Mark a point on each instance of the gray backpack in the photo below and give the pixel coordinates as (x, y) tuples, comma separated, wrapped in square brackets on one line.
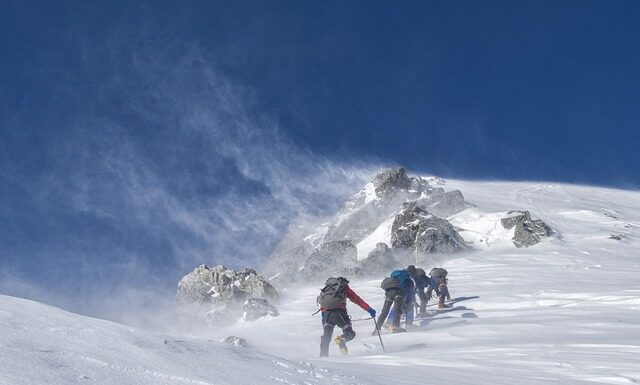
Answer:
[(438, 272), (333, 295), (390, 283)]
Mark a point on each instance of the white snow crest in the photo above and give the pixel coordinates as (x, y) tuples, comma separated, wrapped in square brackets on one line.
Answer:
[(380, 235), (563, 311), (370, 193)]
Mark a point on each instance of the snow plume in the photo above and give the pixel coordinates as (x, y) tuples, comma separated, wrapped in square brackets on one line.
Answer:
[(166, 164)]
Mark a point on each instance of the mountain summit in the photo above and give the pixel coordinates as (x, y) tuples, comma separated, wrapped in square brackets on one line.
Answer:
[(396, 218)]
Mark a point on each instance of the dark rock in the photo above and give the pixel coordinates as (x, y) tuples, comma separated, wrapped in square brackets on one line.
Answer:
[(619, 237), (221, 285), (390, 181), (528, 232), (437, 235), (235, 341), (443, 204), (415, 228), (361, 215), (214, 296), (509, 222), (256, 308)]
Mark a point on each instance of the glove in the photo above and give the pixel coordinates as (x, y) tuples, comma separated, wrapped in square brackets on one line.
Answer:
[(372, 312)]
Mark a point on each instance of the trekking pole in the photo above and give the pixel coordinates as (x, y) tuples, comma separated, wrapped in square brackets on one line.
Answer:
[(379, 337)]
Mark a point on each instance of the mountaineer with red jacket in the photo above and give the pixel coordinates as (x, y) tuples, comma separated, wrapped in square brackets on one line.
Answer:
[(333, 305)]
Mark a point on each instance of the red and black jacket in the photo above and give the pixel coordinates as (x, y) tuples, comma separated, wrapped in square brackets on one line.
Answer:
[(353, 297)]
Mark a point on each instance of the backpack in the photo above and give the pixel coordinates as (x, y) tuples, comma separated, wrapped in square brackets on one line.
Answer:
[(401, 276), (438, 272), (420, 273), (333, 294), (390, 283)]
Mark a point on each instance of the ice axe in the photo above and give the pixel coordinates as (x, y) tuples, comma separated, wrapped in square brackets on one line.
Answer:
[(379, 336)]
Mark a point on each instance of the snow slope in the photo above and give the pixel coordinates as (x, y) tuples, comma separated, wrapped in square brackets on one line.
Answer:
[(564, 311), (40, 344)]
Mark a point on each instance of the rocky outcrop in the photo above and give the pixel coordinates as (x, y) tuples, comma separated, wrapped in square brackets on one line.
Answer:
[(235, 341), (416, 229), (214, 296), (362, 213), (443, 204), (330, 258), (619, 237), (221, 285), (256, 308), (359, 217), (528, 232), (391, 181)]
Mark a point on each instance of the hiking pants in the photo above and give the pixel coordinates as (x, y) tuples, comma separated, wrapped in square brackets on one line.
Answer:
[(393, 296), (441, 290), (408, 312), (423, 298), (331, 319)]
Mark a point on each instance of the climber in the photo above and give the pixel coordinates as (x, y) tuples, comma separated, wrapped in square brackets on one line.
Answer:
[(421, 281), (333, 305), (438, 283), (398, 291)]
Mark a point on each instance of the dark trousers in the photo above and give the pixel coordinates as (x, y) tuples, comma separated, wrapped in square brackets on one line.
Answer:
[(331, 319), (395, 297), (441, 290), (423, 298)]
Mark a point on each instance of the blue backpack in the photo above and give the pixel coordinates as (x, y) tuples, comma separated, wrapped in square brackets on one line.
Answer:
[(402, 276)]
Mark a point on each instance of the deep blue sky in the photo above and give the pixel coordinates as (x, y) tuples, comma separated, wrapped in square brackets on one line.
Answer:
[(128, 128)]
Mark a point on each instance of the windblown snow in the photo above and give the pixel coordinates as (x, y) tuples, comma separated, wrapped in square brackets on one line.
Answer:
[(381, 234), (564, 311)]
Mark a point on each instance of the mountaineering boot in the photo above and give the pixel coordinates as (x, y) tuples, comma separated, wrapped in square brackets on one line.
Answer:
[(342, 344), (442, 306), (397, 329)]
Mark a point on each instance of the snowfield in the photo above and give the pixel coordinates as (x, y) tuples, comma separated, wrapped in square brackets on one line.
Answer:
[(565, 311)]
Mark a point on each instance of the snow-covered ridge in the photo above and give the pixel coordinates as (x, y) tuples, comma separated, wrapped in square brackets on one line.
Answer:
[(412, 216), (564, 311), (42, 345)]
